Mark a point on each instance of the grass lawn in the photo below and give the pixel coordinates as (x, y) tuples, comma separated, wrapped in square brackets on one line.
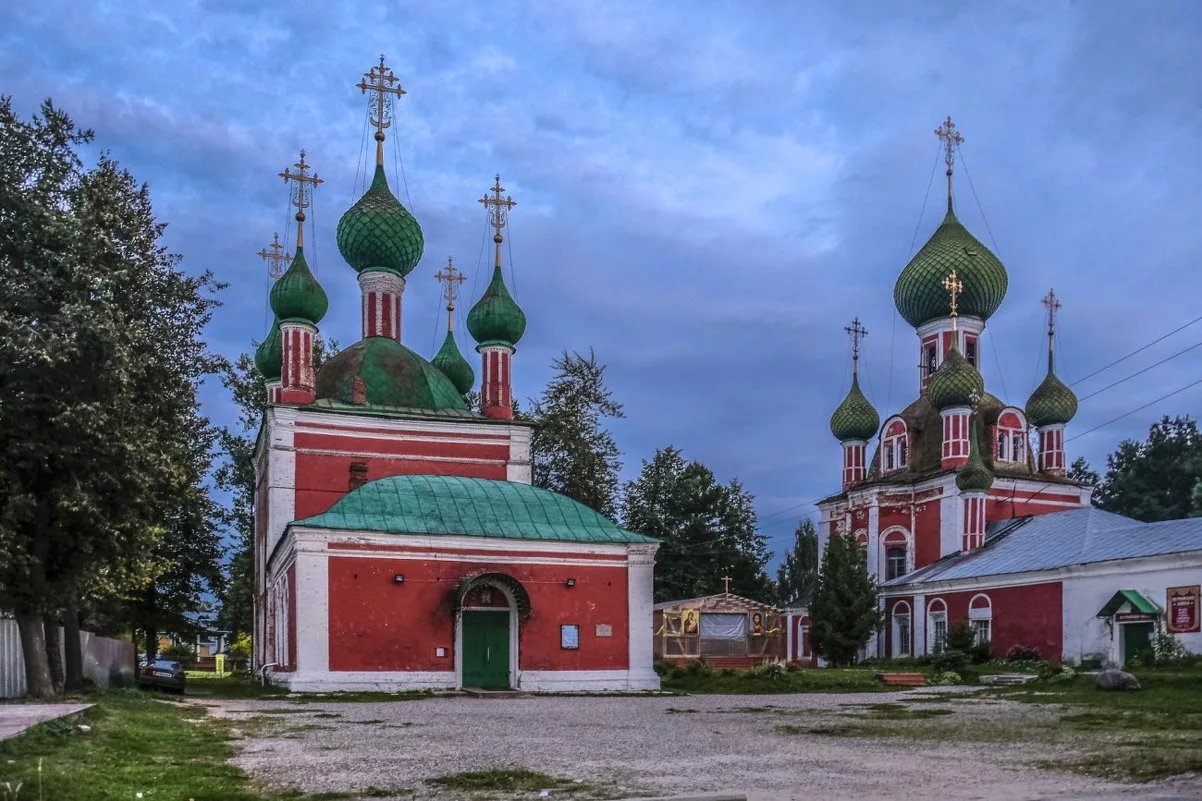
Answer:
[(814, 680)]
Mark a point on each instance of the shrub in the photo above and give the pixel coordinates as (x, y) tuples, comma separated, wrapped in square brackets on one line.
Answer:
[(793, 667), (180, 652), (698, 667), (1169, 651), (960, 637), (676, 672), (1022, 653), (944, 678), (767, 670), (1054, 671), (661, 667), (980, 653), (951, 660)]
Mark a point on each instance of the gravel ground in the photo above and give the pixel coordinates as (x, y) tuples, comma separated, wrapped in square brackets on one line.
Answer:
[(670, 745)]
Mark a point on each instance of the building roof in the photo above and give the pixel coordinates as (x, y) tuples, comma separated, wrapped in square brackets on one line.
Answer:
[(496, 319), (855, 418), (470, 507), (718, 602), (390, 374), (1137, 601), (1061, 539), (378, 233)]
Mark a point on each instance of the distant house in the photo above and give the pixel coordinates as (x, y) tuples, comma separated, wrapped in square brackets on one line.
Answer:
[(728, 631)]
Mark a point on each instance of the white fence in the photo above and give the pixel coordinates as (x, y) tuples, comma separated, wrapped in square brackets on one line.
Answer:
[(106, 661)]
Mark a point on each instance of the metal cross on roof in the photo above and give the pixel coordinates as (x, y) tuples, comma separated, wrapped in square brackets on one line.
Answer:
[(302, 191), (951, 139), (857, 332), (382, 84), (276, 257), (498, 208), (954, 287), (1053, 305), (450, 278)]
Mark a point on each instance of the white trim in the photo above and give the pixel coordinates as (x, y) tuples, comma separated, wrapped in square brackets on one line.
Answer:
[(640, 607), (588, 681), (884, 550), (312, 607), (400, 457), (363, 680), (514, 669)]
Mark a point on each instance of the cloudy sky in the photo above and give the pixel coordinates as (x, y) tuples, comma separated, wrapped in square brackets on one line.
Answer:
[(708, 192)]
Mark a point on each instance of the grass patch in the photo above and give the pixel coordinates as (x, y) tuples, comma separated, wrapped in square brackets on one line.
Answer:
[(233, 685), (815, 680), (505, 780), (819, 731), (898, 712), (352, 697)]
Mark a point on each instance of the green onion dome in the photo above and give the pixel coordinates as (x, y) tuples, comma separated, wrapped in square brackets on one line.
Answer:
[(392, 375), (452, 364), (378, 233), (269, 356), (974, 476), (496, 319), (296, 296), (955, 383), (919, 293), (855, 417), (1052, 402)]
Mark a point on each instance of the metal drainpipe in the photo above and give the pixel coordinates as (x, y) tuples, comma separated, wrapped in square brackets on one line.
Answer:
[(263, 672)]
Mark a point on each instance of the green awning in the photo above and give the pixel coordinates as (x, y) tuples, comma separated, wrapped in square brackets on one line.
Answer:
[(1137, 601)]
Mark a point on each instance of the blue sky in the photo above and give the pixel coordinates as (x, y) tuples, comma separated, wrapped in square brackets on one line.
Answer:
[(708, 192)]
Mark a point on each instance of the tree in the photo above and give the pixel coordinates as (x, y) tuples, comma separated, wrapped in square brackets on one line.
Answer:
[(100, 356), (843, 611), (1155, 479), (573, 454), (707, 530), (1082, 473), (798, 573)]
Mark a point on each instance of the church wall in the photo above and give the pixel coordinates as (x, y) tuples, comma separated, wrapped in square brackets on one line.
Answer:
[(927, 528), (378, 625), (1030, 615), (1023, 502), (292, 617)]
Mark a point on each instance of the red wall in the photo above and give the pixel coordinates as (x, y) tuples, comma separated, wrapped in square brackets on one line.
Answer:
[(1031, 616), (1004, 507), (376, 624)]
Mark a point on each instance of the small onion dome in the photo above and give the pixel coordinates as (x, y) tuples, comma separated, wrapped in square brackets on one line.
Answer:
[(392, 375), (1052, 402), (296, 296), (919, 293), (452, 364), (974, 476), (269, 356), (378, 233), (855, 417), (955, 383), (496, 319)]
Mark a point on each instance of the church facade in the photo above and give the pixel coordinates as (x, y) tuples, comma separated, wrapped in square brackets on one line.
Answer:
[(961, 500), (399, 542)]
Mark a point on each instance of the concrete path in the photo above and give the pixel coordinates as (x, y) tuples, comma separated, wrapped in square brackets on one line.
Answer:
[(16, 718)]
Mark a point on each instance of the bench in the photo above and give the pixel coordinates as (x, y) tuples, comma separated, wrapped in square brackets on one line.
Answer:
[(903, 679)]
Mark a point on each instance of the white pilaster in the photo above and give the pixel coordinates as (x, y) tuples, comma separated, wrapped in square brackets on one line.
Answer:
[(312, 591), (918, 622), (639, 599)]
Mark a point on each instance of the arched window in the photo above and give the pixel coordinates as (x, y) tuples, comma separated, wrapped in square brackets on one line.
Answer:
[(897, 552), (980, 615), (862, 541), (900, 618), (936, 625), (1011, 437), (895, 448)]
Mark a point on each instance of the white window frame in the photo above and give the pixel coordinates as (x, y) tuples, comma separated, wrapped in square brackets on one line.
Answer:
[(936, 615), (981, 618), (900, 619), (1010, 443), (895, 448)]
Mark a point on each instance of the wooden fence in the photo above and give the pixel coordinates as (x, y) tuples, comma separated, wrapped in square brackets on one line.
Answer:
[(106, 661)]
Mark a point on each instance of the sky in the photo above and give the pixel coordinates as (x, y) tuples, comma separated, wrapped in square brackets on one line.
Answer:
[(707, 192)]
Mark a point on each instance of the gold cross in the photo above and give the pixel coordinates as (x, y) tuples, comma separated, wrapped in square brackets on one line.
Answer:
[(857, 332), (1053, 305), (498, 208), (450, 278), (379, 82), (275, 258), (302, 192), (951, 140), (954, 287)]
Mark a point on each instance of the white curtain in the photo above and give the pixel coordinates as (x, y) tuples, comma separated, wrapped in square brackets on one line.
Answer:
[(723, 626)]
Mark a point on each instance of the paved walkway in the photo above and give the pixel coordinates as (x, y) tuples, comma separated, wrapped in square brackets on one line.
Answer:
[(16, 718)]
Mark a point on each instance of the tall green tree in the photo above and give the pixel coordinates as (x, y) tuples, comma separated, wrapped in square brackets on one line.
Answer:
[(708, 530), (100, 356), (573, 453), (1155, 479), (798, 573), (843, 611), (1082, 473)]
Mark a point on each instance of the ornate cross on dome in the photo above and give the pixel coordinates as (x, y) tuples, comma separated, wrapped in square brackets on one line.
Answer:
[(1053, 305), (276, 258), (954, 287), (382, 84), (498, 208), (302, 193), (951, 139), (857, 332), (450, 278)]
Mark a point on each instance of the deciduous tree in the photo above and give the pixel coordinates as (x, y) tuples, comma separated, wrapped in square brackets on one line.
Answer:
[(798, 573), (1155, 479)]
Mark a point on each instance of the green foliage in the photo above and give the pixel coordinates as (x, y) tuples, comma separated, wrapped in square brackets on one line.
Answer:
[(505, 780), (769, 680), (950, 660), (844, 608), (1155, 479), (241, 648), (980, 652), (944, 678), (1054, 671), (572, 453), (960, 636), (798, 573), (181, 652), (708, 530), (1022, 653), (771, 670), (1082, 473), (1169, 651)]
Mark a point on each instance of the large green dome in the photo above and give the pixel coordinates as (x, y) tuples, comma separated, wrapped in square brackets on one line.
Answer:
[(269, 356), (919, 293), (955, 383), (1052, 402), (378, 233), (496, 319), (452, 364), (855, 417), (392, 375), (296, 296)]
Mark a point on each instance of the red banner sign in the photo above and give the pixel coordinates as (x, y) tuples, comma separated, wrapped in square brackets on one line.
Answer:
[(1183, 609)]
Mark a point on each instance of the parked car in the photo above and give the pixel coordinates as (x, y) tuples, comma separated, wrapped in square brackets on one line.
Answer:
[(164, 674)]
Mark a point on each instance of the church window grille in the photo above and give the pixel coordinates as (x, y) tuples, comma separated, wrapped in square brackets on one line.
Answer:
[(936, 626), (1011, 439), (895, 562), (980, 615), (981, 630), (896, 449), (901, 630), (970, 351)]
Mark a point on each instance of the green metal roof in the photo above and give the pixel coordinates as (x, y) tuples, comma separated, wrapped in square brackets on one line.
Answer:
[(378, 233), (452, 364), (472, 507), (955, 383), (392, 375), (1132, 597), (974, 476), (296, 296), (1052, 402), (269, 356), (496, 318), (855, 417)]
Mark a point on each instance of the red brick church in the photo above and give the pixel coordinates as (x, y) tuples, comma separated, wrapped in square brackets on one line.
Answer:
[(399, 541)]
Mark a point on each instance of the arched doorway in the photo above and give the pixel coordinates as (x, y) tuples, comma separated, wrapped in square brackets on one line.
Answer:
[(488, 611)]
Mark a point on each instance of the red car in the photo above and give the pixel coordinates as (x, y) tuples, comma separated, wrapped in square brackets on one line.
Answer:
[(163, 673)]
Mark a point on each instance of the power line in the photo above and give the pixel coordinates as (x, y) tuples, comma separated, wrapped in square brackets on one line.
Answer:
[(1137, 350), (1137, 409), (1141, 372)]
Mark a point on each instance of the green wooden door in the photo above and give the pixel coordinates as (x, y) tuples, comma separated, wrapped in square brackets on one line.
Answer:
[(1137, 640), (486, 650)]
